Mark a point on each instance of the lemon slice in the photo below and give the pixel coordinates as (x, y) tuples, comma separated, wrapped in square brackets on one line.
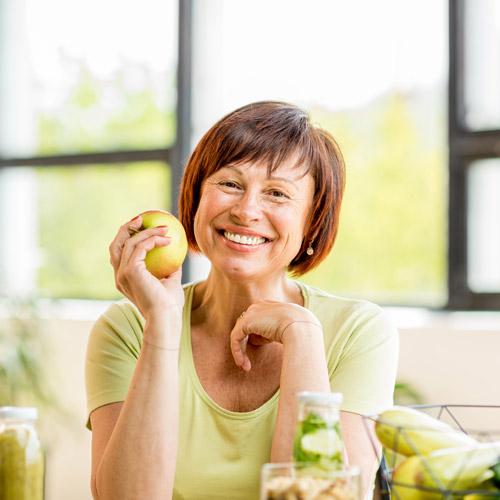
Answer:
[(324, 442)]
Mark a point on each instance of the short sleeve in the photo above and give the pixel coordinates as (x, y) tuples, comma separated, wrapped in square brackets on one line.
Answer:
[(365, 371), (112, 351)]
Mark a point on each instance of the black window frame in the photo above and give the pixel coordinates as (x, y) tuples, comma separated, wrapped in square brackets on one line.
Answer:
[(465, 147)]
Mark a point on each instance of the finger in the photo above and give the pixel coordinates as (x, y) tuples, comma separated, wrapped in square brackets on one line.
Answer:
[(238, 344), (130, 271), (134, 254), (258, 340), (156, 235), (123, 235), (174, 276)]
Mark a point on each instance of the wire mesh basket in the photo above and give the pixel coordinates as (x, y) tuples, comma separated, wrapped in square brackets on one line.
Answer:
[(468, 438)]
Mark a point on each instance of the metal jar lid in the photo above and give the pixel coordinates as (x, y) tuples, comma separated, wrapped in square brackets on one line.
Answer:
[(320, 397)]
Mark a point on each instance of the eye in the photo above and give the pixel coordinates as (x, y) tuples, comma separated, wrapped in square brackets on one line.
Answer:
[(275, 193), (228, 184)]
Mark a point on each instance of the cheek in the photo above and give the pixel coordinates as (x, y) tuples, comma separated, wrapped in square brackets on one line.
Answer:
[(292, 227), (296, 225), (207, 210), (296, 221)]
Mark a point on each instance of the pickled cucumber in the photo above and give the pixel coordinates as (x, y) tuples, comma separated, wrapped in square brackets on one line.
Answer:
[(22, 465)]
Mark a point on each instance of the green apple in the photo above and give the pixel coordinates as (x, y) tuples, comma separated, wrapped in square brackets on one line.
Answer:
[(163, 261)]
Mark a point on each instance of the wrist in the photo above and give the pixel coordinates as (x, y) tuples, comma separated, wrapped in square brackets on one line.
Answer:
[(160, 347), (302, 330), (163, 330), (163, 316)]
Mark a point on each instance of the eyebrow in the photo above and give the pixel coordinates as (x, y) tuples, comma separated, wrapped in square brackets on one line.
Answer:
[(272, 177)]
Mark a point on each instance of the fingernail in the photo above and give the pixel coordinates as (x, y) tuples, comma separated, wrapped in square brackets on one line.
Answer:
[(135, 218)]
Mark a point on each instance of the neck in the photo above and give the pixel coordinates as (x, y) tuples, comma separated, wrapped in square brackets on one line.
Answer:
[(220, 300)]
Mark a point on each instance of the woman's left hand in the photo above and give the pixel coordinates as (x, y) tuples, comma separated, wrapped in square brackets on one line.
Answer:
[(263, 322)]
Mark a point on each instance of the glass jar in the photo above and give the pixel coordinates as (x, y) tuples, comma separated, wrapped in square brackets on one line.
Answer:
[(22, 461), (298, 481), (318, 437)]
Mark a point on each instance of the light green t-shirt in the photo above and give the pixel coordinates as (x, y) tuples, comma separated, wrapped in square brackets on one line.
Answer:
[(220, 453)]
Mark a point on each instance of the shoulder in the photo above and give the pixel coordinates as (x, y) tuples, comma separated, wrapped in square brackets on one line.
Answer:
[(353, 317), (123, 312), (331, 305)]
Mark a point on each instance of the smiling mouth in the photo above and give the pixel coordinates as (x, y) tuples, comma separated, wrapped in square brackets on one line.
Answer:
[(244, 239)]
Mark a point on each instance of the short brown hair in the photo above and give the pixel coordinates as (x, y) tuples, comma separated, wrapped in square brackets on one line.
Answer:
[(272, 132)]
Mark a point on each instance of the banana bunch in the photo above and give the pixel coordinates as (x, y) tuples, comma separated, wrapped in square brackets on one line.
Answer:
[(440, 462)]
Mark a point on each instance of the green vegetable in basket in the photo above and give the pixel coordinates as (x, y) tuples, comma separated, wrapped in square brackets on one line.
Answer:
[(496, 473), (409, 431), (449, 470)]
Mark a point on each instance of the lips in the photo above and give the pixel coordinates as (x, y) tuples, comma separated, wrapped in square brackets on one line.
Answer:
[(244, 239)]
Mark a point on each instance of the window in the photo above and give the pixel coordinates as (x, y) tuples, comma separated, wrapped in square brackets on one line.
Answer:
[(111, 116), (474, 148), (368, 75), (93, 130)]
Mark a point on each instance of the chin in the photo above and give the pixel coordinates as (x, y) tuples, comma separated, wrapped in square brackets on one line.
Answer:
[(243, 272)]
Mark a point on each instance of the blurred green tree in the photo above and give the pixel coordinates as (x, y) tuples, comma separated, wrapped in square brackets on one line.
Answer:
[(392, 237), (81, 207)]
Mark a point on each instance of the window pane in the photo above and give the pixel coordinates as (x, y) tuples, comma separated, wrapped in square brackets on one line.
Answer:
[(483, 226), (379, 87), (79, 212), (482, 64), (86, 76)]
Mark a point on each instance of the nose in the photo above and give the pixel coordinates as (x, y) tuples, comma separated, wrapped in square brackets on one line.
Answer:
[(247, 208)]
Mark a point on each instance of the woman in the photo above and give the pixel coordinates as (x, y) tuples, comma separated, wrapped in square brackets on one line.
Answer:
[(192, 388)]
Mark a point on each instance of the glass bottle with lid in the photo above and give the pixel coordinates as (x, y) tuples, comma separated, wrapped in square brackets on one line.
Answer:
[(22, 461), (318, 437)]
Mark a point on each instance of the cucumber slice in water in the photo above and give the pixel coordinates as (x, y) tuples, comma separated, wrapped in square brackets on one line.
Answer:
[(324, 442)]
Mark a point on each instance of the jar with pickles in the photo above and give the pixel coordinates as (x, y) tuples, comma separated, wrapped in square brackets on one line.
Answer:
[(22, 461), (318, 437)]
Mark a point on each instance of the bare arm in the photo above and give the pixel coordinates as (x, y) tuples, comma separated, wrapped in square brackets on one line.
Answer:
[(303, 366), (303, 369), (359, 448), (307, 372), (134, 443)]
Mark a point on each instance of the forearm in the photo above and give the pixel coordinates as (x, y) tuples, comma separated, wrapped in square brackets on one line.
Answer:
[(139, 459), (359, 438), (303, 369)]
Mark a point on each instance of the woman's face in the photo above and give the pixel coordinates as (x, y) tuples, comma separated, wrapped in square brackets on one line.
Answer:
[(250, 224)]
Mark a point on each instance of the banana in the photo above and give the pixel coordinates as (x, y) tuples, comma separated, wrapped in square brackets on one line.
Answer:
[(409, 432), (403, 484), (491, 492), (447, 470), (484, 496)]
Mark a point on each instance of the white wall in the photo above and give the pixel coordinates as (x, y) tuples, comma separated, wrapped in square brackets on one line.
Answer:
[(449, 358)]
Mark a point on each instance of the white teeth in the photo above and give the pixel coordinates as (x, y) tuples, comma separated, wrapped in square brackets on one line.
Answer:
[(243, 239)]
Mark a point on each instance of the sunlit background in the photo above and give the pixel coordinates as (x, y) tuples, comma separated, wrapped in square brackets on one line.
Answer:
[(89, 120), (101, 76)]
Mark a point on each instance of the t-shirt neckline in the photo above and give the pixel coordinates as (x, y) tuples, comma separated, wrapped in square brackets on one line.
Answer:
[(187, 348)]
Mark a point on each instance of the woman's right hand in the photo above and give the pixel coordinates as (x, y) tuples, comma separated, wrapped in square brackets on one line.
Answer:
[(127, 254)]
